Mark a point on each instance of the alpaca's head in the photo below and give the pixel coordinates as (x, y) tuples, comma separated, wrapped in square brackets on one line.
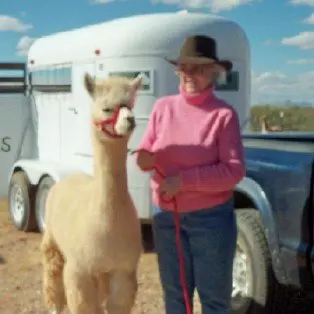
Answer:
[(113, 101)]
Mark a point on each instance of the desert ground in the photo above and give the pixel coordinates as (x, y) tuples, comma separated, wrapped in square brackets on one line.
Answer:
[(20, 273)]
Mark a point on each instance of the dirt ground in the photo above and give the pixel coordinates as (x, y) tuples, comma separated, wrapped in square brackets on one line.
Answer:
[(20, 273), (20, 276)]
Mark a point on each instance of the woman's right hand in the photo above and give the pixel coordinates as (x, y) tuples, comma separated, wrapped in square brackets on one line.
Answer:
[(145, 160)]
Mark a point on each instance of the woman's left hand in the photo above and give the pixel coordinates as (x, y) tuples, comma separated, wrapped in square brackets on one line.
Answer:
[(170, 185)]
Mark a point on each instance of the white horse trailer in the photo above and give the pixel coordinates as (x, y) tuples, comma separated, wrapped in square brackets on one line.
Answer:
[(56, 115)]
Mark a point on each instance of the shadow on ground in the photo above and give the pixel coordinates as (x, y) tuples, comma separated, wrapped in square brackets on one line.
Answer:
[(148, 241)]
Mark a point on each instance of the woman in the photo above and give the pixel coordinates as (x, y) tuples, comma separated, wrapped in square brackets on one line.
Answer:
[(194, 139)]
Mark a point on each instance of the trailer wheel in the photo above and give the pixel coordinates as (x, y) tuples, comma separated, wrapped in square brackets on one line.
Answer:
[(255, 288), (20, 202), (40, 202)]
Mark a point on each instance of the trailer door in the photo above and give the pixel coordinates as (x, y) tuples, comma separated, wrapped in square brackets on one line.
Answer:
[(69, 117), (83, 102), (14, 119)]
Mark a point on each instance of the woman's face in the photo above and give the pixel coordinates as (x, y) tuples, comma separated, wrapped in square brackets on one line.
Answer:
[(194, 78)]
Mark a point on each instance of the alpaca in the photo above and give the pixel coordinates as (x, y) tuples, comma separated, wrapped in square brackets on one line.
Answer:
[(265, 127), (92, 241)]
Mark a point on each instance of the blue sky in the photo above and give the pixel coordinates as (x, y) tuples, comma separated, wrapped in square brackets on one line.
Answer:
[(281, 33)]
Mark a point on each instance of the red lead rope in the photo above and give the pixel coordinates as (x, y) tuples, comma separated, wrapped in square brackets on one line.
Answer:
[(178, 239)]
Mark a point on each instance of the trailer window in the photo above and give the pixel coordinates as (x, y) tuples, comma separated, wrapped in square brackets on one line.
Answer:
[(147, 75), (12, 78), (54, 80), (232, 82)]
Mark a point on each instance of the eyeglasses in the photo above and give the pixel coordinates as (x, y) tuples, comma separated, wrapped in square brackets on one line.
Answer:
[(190, 69)]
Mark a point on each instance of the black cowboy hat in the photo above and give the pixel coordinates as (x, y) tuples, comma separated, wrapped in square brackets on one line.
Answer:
[(200, 49)]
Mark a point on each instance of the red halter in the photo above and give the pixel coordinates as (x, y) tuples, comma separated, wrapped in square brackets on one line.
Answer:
[(111, 122)]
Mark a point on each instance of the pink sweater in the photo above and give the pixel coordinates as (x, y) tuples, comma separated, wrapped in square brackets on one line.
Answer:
[(196, 136)]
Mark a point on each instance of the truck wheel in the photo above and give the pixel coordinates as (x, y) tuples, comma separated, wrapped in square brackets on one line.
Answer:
[(40, 202), (20, 202), (255, 288)]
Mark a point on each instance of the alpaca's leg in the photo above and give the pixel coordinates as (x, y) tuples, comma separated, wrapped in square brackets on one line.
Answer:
[(81, 291), (103, 288), (52, 275), (122, 292)]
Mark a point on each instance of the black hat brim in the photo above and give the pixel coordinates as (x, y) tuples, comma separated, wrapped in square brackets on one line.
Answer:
[(226, 64)]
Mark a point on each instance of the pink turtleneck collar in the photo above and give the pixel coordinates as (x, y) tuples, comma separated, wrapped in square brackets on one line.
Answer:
[(197, 98)]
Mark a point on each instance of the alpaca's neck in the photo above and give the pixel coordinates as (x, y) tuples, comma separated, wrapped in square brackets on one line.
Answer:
[(110, 157), (110, 167), (264, 126)]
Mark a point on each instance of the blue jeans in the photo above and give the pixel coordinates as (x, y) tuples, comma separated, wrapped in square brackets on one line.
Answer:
[(208, 239)]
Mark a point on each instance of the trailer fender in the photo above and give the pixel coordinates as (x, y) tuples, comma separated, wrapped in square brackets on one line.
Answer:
[(37, 169)]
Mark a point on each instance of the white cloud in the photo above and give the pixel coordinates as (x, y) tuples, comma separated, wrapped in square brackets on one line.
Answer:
[(102, 1), (304, 40), (272, 87), (307, 2), (214, 5), (301, 61), (309, 20), (23, 45), (10, 23), (220, 5)]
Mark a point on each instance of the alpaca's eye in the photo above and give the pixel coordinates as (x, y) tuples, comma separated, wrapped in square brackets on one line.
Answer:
[(106, 110)]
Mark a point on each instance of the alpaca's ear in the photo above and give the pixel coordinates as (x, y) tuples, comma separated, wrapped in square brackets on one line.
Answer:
[(89, 83), (137, 83)]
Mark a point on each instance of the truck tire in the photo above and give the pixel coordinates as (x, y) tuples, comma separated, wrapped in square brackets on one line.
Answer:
[(40, 201), (20, 202), (255, 288)]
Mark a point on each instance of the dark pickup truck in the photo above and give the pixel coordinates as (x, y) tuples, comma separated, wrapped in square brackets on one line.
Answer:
[(275, 212)]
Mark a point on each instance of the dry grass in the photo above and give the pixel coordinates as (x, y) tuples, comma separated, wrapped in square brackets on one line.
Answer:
[(20, 273)]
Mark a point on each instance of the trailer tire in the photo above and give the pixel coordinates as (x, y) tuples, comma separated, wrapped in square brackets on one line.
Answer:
[(264, 295), (20, 201), (40, 201)]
